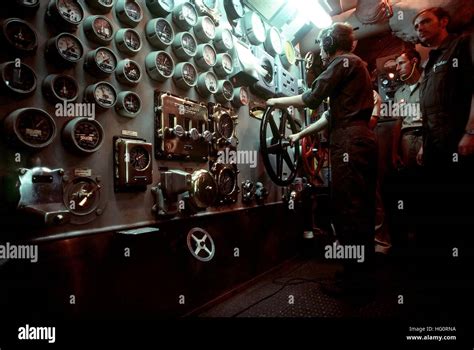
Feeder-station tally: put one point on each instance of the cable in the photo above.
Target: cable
(412, 71)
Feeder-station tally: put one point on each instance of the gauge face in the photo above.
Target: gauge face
(164, 31)
(189, 14)
(227, 40)
(18, 78)
(209, 27)
(20, 36)
(209, 55)
(103, 28)
(233, 9)
(273, 43)
(132, 70)
(227, 182)
(189, 74)
(105, 60)
(105, 95)
(225, 125)
(227, 63)
(139, 158)
(164, 63)
(83, 196)
(88, 134)
(69, 47)
(228, 90)
(35, 127)
(132, 102)
(255, 28)
(70, 10)
(189, 44)
(65, 88)
(289, 53)
(133, 10)
(204, 187)
(132, 40)
(211, 82)
(167, 5)
(243, 97)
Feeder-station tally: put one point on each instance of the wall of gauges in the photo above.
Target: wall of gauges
(120, 112)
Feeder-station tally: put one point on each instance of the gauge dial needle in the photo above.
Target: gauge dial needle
(86, 197)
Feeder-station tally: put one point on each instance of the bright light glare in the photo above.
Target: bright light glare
(312, 11)
(391, 75)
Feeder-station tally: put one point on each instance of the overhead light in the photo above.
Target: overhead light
(313, 12)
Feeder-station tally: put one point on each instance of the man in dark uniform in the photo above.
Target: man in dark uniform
(353, 149)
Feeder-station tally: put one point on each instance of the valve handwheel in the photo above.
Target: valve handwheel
(279, 157)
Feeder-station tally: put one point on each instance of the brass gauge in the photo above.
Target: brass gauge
(82, 196)
(204, 188)
(102, 6)
(223, 42)
(159, 33)
(59, 88)
(185, 75)
(64, 49)
(17, 78)
(205, 29)
(129, 12)
(128, 104)
(254, 28)
(206, 84)
(225, 91)
(103, 94)
(273, 44)
(128, 41)
(241, 97)
(66, 14)
(160, 8)
(159, 65)
(100, 62)
(84, 135)
(233, 9)
(128, 72)
(19, 36)
(205, 56)
(185, 16)
(99, 29)
(30, 127)
(288, 57)
(224, 65)
(184, 45)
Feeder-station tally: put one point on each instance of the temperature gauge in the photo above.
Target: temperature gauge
(17, 78)
(206, 56)
(223, 41)
(206, 84)
(160, 8)
(129, 12)
(84, 135)
(59, 88)
(128, 72)
(99, 29)
(159, 33)
(205, 29)
(128, 41)
(19, 36)
(102, 6)
(100, 62)
(185, 16)
(225, 91)
(103, 94)
(185, 75)
(224, 65)
(82, 196)
(128, 104)
(184, 45)
(159, 65)
(64, 49)
(67, 14)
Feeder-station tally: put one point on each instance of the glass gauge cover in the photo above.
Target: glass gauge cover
(206, 84)
(67, 14)
(82, 196)
(225, 125)
(233, 9)
(159, 65)
(128, 41)
(99, 29)
(103, 94)
(273, 44)
(129, 12)
(128, 72)
(224, 65)
(17, 78)
(185, 16)
(288, 57)
(254, 28)
(60, 87)
(226, 182)
(101, 61)
(139, 158)
(185, 75)
(160, 8)
(184, 45)
(204, 188)
(19, 36)
(83, 134)
(128, 104)
(64, 49)
(159, 33)
(223, 41)
(205, 29)
(206, 56)
(102, 6)
(225, 91)
(241, 97)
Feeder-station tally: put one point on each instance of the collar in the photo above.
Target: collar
(445, 43)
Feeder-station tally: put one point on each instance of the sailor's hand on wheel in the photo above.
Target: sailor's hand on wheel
(293, 138)
(271, 102)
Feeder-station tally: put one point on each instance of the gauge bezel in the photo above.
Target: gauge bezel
(200, 32)
(69, 137)
(57, 19)
(200, 59)
(201, 85)
(89, 95)
(91, 65)
(50, 93)
(220, 175)
(96, 5)
(122, 109)
(220, 95)
(138, 145)
(8, 87)
(255, 35)
(153, 71)
(154, 38)
(284, 57)
(269, 43)
(219, 67)
(178, 76)
(53, 52)
(123, 16)
(157, 9)
(67, 198)
(122, 44)
(237, 100)
(180, 20)
(122, 76)
(178, 47)
(30, 50)
(92, 35)
(231, 11)
(219, 42)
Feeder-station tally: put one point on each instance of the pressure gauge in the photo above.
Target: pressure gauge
(66, 14)
(224, 65)
(103, 94)
(226, 181)
(184, 45)
(185, 16)
(204, 188)
(206, 84)
(185, 75)
(59, 88)
(17, 78)
(84, 135)
(159, 33)
(100, 62)
(139, 157)
(160, 8)
(225, 91)
(205, 56)
(273, 44)
(28, 6)
(225, 125)
(64, 49)
(30, 127)
(233, 9)
(128, 72)
(159, 65)
(254, 28)
(129, 12)
(241, 97)
(99, 29)
(82, 196)
(223, 41)
(205, 29)
(19, 36)
(288, 57)
(128, 104)
(102, 6)
(128, 41)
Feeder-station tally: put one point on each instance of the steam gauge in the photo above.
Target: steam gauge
(185, 16)
(20, 36)
(99, 29)
(288, 57)
(206, 84)
(241, 97)
(83, 135)
(205, 56)
(129, 12)
(225, 91)
(273, 44)
(17, 78)
(128, 72)
(103, 94)
(128, 41)
(159, 33)
(205, 29)
(100, 62)
(254, 28)
(224, 65)
(184, 45)
(160, 8)
(67, 14)
(102, 6)
(64, 49)
(233, 9)
(185, 75)
(159, 65)
(128, 104)
(59, 88)
(223, 41)
(82, 196)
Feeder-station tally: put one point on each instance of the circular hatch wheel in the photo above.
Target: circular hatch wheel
(279, 157)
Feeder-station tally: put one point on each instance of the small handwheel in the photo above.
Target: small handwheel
(313, 156)
(280, 159)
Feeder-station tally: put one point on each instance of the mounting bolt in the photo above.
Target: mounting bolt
(99, 211)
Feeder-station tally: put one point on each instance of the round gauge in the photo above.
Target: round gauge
(184, 45)
(206, 84)
(205, 29)
(273, 43)
(288, 58)
(225, 125)
(254, 28)
(17, 78)
(101, 62)
(64, 49)
(128, 41)
(101, 93)
(204, 189)
(60, 87)
(224, 65)
(226, 182)
(31, 127)
(82, 196)
(26, 5)
(102, 6)
(99, 29)
(241, 97)
(83, 134)
(19, 36)
(128, 72)
(233, 9)
(129, 12)
(185, 75)
(225, 91)
(159, 65)
(206, 56)
(160, 8)
(139, 158)
(223, 41)
(159, 33)
(128, 104)
(67, 14)
(185, 16)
